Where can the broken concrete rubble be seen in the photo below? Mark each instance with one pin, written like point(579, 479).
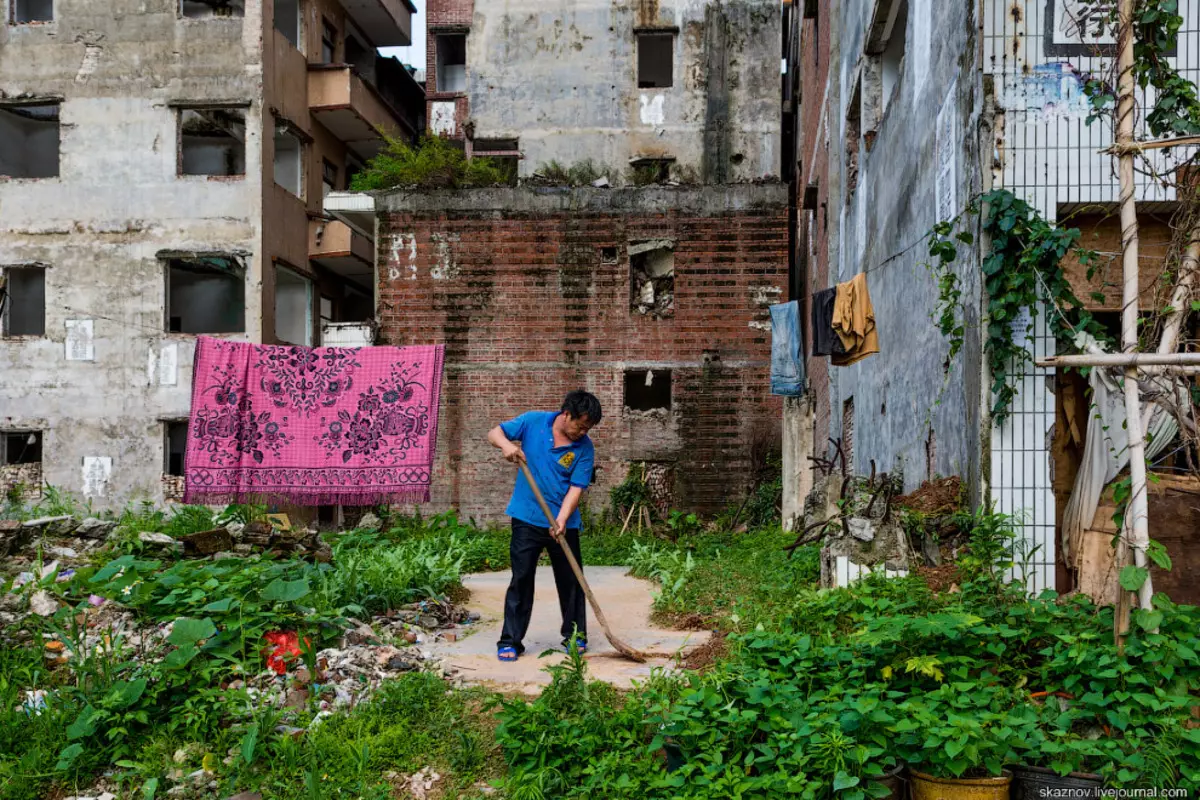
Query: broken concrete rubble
point(859, 533)
point(92, 528)
point(206, 543)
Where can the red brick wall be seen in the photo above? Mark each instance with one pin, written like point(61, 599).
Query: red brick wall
point(528, 311)
point(814, 168)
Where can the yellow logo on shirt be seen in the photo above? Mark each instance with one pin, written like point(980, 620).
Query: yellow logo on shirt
point(567, 460)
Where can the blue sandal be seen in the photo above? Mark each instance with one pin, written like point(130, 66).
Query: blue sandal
point(507, 654)
point(580, 643)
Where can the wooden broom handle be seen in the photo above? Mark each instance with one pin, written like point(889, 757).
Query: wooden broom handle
point(587, 590)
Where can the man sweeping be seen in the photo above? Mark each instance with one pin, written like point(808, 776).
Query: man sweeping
point(559, 454)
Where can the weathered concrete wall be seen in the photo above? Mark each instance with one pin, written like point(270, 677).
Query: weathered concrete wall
point(562, 76)
point(908, 415)
point(530, 292)
point(99, 226)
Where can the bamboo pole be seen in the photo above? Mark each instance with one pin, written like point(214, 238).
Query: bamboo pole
point(1118, 149)
point(1137, 513)
point(1189, 270)
point(1126, 360)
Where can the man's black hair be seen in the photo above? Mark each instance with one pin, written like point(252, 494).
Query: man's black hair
point(579, 402)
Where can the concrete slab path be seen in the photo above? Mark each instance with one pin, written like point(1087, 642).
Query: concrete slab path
point(626, 603)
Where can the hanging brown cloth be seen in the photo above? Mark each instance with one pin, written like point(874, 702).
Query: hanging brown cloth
point(854, 321)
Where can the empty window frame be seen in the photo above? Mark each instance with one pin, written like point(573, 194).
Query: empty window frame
point(649, 171)
point(353, 167)
point(893, 53)
point(293, 307)
point(655, 58)
point(652, 278)
point(356, 306)
point(329, 37)
point(647, 389)
point(451, 63)
point(29, 140)
point(27, 11)
point(20, 447)
point(205, 294)
point(289, 161)
point(329, 177)
point(207, 9)
point(853, 138)
point(175, 435)
point(505, 154)
point(212, 141)
point(289, 22)
point(23, 301)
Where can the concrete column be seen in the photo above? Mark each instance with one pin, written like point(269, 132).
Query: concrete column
point(797, 447)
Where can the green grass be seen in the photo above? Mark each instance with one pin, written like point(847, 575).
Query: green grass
point(736, 580)
point(413, 722)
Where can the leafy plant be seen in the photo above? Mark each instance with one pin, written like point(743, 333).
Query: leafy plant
point(434, 163)
point(243, 514)
point(682, 525)
point(1025, 262)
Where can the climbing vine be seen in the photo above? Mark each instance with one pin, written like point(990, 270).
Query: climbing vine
point(1022, 270)
point(1176, 111)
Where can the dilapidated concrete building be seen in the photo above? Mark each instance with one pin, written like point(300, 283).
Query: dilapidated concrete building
point(162, 169)
point(906, 111)
point(649, 287)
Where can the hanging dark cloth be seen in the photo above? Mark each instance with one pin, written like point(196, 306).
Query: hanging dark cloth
point(826, 342)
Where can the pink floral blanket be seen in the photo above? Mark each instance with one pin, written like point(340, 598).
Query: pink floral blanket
point(312, 426)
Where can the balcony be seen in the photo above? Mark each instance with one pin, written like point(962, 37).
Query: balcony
point(336, 246)
point(351, 109)
point(388, 21)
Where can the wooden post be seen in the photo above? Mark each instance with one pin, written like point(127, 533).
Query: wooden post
point(1137, 513)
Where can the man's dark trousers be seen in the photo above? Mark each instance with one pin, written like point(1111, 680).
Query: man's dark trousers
point(525, 549)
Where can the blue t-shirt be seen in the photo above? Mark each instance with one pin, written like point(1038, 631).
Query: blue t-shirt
point(556, 469)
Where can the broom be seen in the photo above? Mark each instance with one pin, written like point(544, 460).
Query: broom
point(620, 646)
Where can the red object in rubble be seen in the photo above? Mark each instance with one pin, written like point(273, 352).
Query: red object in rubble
point(286, 650)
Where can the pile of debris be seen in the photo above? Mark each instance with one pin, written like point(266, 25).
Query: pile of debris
point(652, 270)
point(855, 520)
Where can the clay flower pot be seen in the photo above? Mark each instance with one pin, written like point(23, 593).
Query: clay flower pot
point(927, 787)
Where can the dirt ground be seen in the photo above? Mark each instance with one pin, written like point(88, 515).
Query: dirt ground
point(626, 604)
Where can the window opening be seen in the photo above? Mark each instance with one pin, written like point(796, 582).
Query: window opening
point(21, 447)
point(176, 446)
point(205, 294)
point(656, 56)
point(652, 278)
point(289, 170)
point(329, 177)
point(29, 140)
point(212, 141)
point(452, 63)
point(293, 307)
point(329, 37)
point(205, 9)
point(647, 390)
point(288, 21)
point(893, 53)
point(23, 301)
point(27, 11)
